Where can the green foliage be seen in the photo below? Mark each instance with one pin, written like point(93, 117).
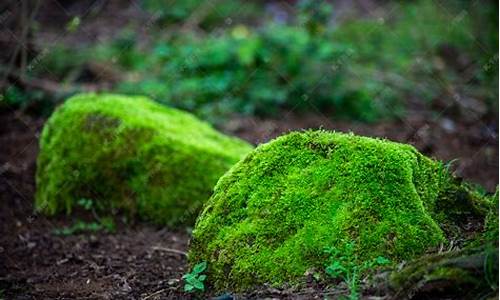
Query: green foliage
point(489, 235)
point(344, 264)
point(257, 72)
point(314, 15)
point(130, 154)
point(194, 280)
point(73, 25)
point(58, 61)
point(490, 266)
point(122, 52)
point(80, 226)
point(210, 13)
point(34, 101)
point(272, 214)
point(13, 96)
point(87, 204)
point(491, 221)
point(391, 56)
point(363, 69)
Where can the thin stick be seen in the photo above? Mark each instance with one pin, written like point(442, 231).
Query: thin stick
point(170, 250)
point(154, 294)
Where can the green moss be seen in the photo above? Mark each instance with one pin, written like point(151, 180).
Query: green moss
point(457, 275)
point(133, 155)
point(491, 221)
point(275, 211)
point(469, 271)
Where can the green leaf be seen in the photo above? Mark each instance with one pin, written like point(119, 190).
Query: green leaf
point(109, 224)
point(317, 276)
point(85, 203)
point(335, 269)
point(200, 267)
point(202, 277)
point(73, 25)
point(198, 285)
point(382, 260)
point(188, 288)
point(191, 279)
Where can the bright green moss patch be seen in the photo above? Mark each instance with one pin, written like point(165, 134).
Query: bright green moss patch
point(273, 213)
point(131, 154)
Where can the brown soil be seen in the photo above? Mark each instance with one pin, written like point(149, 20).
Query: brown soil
point(141, 261)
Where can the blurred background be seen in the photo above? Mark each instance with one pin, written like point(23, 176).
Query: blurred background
point(421, 72)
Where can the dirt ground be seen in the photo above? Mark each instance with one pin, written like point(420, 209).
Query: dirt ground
point(146, 262)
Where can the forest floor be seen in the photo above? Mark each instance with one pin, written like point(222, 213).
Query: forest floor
point(137, 262)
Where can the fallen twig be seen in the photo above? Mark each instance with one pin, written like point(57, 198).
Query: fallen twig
point(154, 294)
point(170, 250)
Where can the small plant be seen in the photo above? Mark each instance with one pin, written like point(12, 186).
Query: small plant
point(85, 203)
point(105, 223)
point(194, 280)
point(79, 227)
point(343, 264)
point(73, 25)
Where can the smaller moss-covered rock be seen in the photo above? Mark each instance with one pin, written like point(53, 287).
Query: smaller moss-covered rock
point(273, 214)
point(130, 154)
point(462, 274)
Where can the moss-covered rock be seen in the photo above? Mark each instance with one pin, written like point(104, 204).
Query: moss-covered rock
point(462, 274)
point(133, 155)
point(274, 212)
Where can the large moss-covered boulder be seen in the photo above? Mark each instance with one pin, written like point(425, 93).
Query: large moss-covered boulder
point(133, 155)
point(272, 215)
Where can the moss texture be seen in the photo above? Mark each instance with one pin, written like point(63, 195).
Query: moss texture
point(275, 211)
point(133, 155)
point(465, 274)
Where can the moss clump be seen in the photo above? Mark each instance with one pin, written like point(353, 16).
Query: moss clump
point(461, 274)
point(491, 221)
point(130, 154)
point(274, 212)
